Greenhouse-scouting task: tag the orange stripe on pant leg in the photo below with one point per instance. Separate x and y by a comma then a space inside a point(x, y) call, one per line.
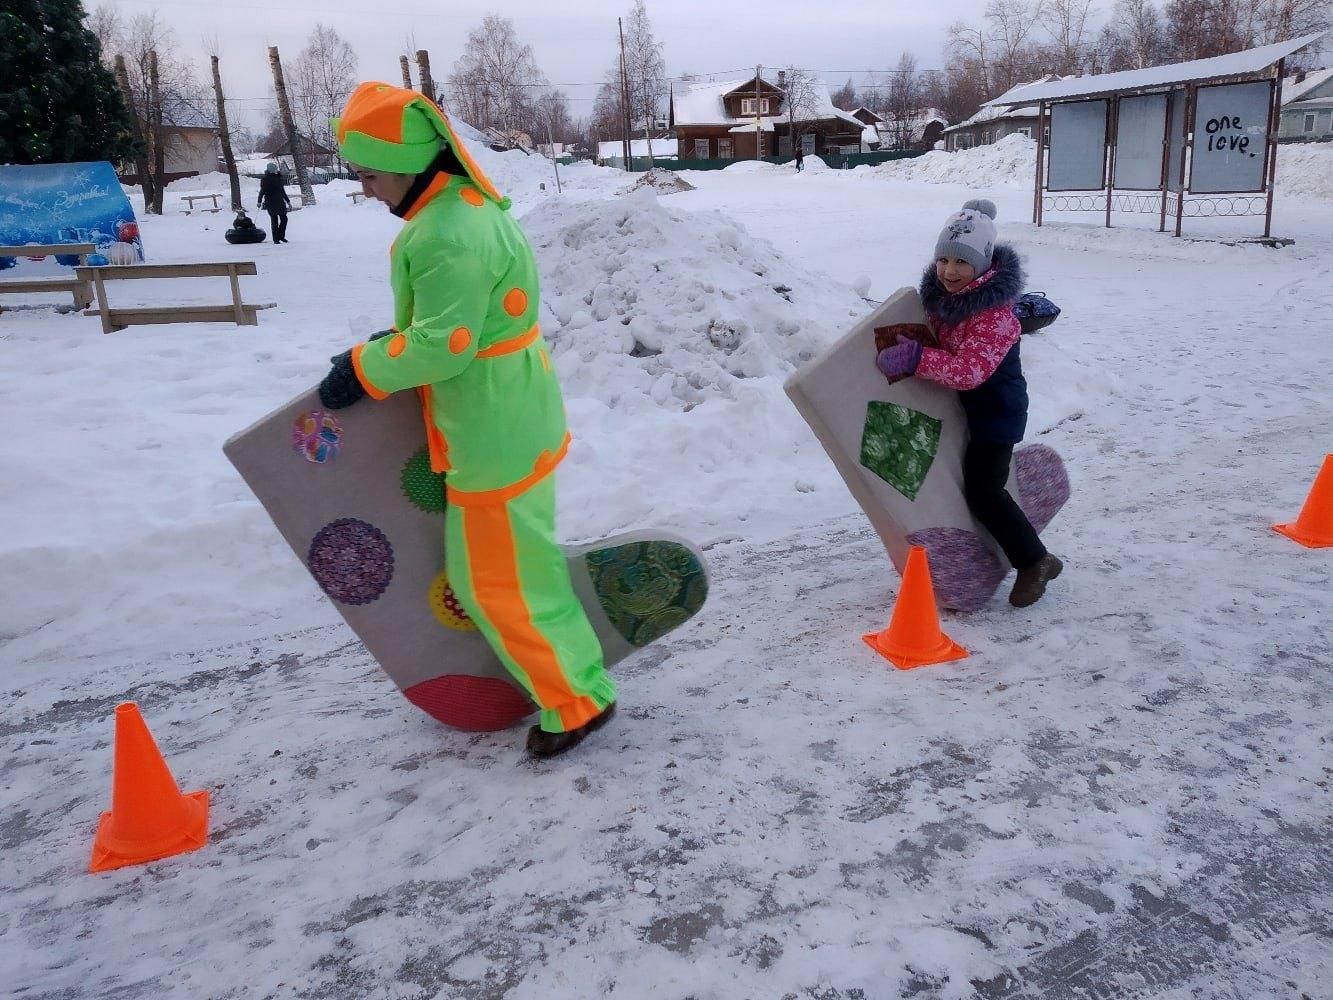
point(496, 586)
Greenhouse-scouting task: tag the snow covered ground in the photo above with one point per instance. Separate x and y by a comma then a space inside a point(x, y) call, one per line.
point(1122, 793)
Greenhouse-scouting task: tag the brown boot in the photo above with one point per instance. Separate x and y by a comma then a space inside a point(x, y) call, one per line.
point(1031, 582)
point(544, 744)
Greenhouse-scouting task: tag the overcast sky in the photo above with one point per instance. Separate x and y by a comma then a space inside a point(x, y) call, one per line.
point(574, 42)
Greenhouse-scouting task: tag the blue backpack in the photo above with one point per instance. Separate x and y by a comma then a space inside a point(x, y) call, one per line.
point(1035, 311)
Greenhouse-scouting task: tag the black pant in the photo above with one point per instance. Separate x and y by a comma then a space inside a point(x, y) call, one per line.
point(277, 220)
point(985, 472)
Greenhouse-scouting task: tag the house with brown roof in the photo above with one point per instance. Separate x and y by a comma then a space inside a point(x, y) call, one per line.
point(747, 119)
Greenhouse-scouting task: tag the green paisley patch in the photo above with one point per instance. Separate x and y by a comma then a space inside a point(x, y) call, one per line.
point(898, 445)
point(647, 588)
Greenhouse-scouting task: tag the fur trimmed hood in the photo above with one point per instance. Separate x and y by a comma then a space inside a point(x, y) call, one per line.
point(1000, 286)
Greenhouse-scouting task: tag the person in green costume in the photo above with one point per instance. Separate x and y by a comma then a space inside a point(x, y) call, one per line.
point(466, 338)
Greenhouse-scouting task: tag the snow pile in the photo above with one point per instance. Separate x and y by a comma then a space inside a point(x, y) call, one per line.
point(1010, 162)
point(1305, 170)
point(662, 182)
point(672, 306)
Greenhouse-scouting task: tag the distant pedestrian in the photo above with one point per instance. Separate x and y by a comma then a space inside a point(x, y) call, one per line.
point(800, 156)
point(273, 199)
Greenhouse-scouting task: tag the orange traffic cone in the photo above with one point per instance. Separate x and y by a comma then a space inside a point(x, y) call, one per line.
point(149, 817)
point(913, 638)
point(1314, 527)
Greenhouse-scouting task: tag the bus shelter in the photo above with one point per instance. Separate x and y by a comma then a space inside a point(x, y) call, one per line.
point(1192, 139)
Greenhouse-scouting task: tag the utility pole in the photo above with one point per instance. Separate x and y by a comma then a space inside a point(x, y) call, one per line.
point(550, 142)
point(423, 71)
point(225, 135)
point(155, 126)
point(758, 135)
point(140, 146)
point(624, 99)
point(407, 72)
point(289, 126)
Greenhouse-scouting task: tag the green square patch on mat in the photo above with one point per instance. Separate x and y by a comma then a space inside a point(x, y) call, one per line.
point(899, 444)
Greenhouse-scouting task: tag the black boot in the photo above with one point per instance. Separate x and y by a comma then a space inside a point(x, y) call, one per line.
point(1031, 582)
point(544, 744)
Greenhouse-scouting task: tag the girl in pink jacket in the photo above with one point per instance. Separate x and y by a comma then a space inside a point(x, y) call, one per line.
point(968, 294)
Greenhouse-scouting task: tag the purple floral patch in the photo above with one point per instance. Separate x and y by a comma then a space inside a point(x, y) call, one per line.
point(351, 560)
point(964, 570)
point(1043, 484)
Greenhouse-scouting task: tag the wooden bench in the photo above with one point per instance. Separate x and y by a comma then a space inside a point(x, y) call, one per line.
point(78, 285)
point(241, 313)
point(356, 196)
point(190, 199)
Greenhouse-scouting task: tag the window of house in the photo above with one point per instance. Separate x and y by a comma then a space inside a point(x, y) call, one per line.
point(747, 105)
point(763, 106)
point(725, 150)
point(808, 143)
point(1309, 121)
point(1024, 131)
point(701, 149)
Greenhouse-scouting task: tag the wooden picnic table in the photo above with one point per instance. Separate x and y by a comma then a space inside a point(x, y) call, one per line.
point(78, 286)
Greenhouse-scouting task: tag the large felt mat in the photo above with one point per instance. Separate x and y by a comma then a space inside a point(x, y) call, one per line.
point(900, 450)
point(352, 492)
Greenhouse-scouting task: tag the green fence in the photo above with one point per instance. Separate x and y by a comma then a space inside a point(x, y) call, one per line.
point(837, 161)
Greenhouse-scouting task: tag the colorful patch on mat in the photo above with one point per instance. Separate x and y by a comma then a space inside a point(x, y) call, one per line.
point(899, 444)
point(422, 486)
point(446, 608)
point(317, 436)
point(352, 560)
point(477, 704)
point(647, 588)
point(964, 570)
point(1043, 484)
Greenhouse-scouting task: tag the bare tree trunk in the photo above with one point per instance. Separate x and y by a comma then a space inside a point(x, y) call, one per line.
point(407, 72)
point(140, 147)
point(225, 134)
point(155, 126)
point(285, 109)
point(423, 70)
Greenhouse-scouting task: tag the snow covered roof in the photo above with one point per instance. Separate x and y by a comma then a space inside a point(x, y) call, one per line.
point(178, 112)
point(1293, 91)
point(1247, 63)
point(703, 104)
point(990, 113)
point(765, 125)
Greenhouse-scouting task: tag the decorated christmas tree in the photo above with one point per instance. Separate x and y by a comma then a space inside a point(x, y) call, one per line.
point(59, 103)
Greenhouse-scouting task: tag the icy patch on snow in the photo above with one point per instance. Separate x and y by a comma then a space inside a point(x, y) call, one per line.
point(751, 167)
point(672, 308)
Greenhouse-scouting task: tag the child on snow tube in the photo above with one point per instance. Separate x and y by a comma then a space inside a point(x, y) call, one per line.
point(971, 345)
point(243, 230)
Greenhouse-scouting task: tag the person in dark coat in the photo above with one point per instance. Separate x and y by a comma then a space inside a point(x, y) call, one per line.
point(969, 294)
point(273, 199)
point(800, 156)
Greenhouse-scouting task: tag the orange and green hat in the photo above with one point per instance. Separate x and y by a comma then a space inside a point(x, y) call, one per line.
point(399, 131)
